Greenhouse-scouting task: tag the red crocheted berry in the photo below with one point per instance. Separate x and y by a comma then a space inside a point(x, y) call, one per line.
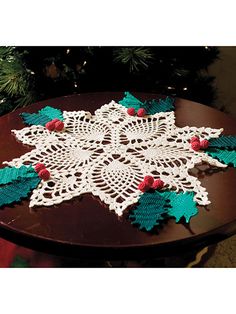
point(141, 112)
point(131, 111)
point(158, 184)
point(148, 180)
point(59, 126)
point(143, 186)
point(204, 144)
point(194, 139)
point(44, 174)
point(39, 167)
point(55, 120)
point(50, 126)
point(195, 146)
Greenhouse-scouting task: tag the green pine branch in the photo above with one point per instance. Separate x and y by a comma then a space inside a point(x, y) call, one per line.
point(136, 58)
point(15, 79)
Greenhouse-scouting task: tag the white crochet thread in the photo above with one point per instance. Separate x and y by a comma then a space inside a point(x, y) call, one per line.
point(109, 153)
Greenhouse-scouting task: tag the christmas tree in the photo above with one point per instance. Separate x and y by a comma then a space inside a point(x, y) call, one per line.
point(30, 74)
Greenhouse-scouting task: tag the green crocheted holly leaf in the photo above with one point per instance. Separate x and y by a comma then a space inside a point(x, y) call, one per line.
point(149, 211)
point(10, 174)
point(151, 106)
point(130, 101)
point(43, 116)
point(161, 105)
point(223, 142)
point(182, 205)
point(35, 118)
point(228, 157)
point(15, 191)
point(154, 206)
point(52, 113)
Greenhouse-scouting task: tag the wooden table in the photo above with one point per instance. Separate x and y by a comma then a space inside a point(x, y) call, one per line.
point(84, 227)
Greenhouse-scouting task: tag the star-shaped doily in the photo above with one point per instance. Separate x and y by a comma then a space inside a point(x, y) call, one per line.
point(109, 153)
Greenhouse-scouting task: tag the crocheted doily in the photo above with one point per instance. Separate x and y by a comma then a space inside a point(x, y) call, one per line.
point(109, 153)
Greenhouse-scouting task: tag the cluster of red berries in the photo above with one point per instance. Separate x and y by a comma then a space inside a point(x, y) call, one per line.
point(42, 171)
point(196, 144)
point(55, 125)
point(149, 183)
point(140, 113)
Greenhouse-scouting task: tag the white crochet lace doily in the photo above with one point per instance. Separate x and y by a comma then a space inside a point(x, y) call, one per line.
point(109, 153)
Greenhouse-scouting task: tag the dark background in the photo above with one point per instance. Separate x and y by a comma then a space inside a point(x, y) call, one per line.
point(30, 74)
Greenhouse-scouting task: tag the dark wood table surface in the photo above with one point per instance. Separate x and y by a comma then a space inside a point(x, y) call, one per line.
point(85, 227)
